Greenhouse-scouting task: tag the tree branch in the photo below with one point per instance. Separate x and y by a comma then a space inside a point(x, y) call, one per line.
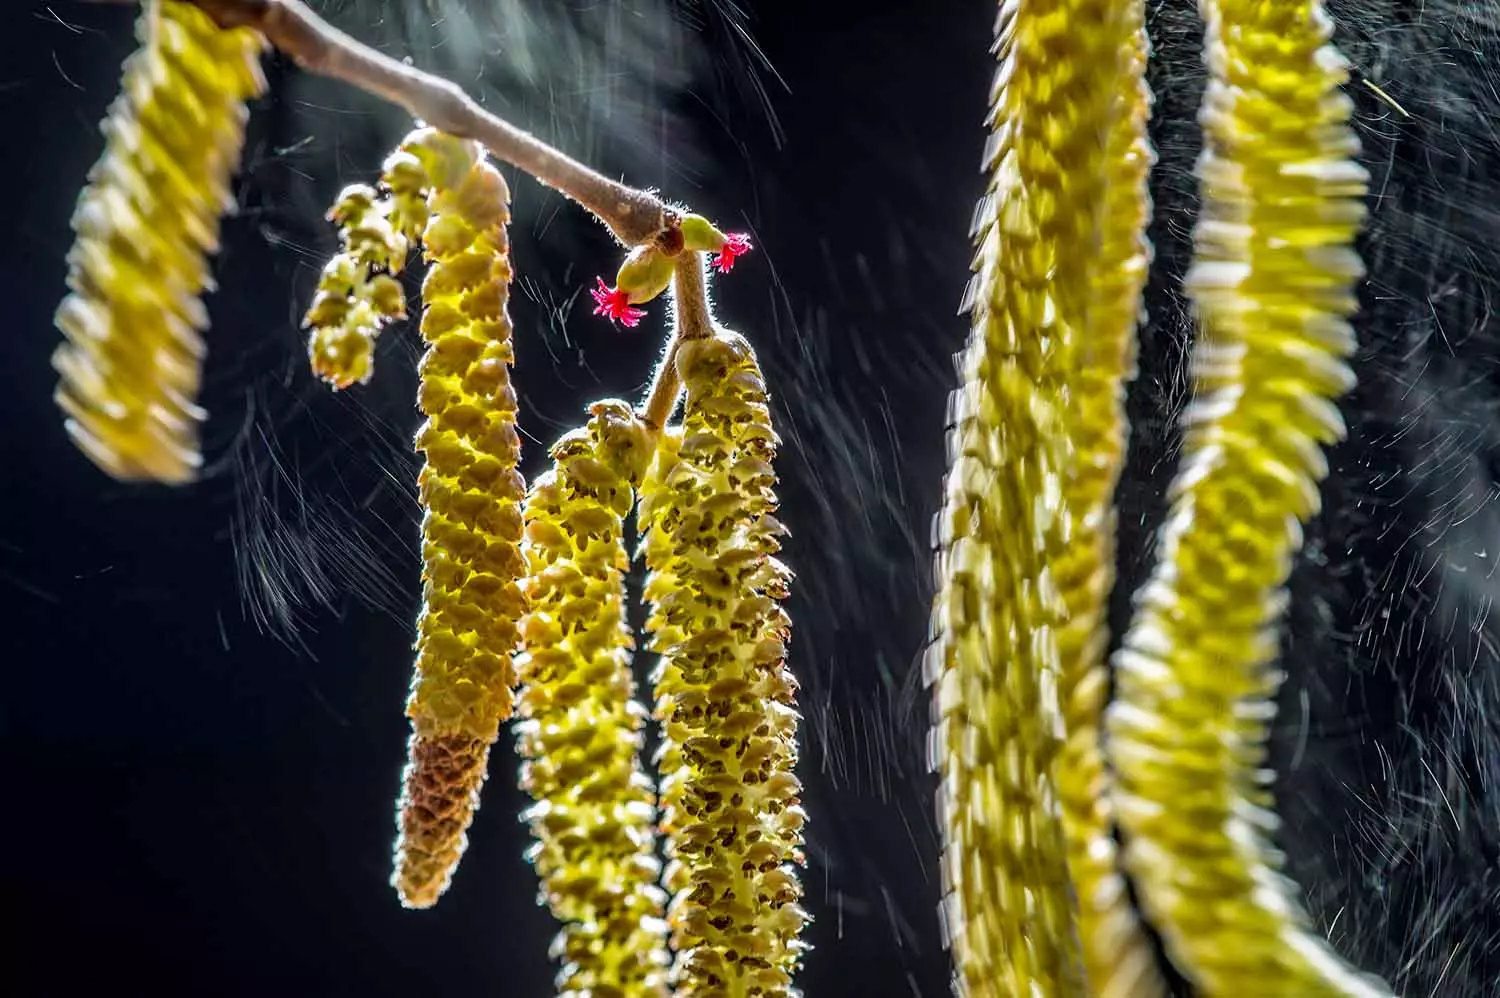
point(635, 217)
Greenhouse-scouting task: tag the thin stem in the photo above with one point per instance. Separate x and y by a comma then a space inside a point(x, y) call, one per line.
point(666, 386)
point(693, 319)
point(693, 323)
point(635, 217)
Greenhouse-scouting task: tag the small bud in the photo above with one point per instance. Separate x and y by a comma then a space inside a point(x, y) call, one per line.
point(699, 235)
point(646, 273)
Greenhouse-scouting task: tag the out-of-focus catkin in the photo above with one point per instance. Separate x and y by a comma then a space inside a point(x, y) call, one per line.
point(994, 661)
point(471, 493)
point(146, 224)
point(580, 737)
point(1273, 283)
point(1119, 959)
point(724, 696)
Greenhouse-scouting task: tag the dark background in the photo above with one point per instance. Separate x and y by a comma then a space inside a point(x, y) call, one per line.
point(201, 713)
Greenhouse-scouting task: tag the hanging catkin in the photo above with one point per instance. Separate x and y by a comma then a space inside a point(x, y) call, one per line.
point(724, 696)
point(581, 730)
point(146, 224)
point(994, 662)
point(1119, 959)
point(1273, 282)
point(471, 493)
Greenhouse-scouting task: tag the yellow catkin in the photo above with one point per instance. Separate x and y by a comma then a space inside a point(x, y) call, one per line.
point(1119, 959)
point(1273, 283)
point(146, 224)
point(724, 696)
point(581, 734)
point(1008, 911)
point(471, 493)
point(358, 293)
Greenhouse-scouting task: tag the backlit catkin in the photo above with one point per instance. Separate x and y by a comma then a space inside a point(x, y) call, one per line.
point(146, 224)
point(358, 293)
point(994, 662)
point(1119, 960)
point(724, 697)
point(580, 737)
point(471, 530)
point(1273, 283)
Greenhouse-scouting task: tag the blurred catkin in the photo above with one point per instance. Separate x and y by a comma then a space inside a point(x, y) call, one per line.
point(146, 224)
point(471, 493)
point(1273, 282)
point(724, 697)
point(581, 734)
point(994, 662)
point(1119, 959)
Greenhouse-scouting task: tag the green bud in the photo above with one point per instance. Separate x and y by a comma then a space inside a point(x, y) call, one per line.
point(699, 235)
point(645, 274)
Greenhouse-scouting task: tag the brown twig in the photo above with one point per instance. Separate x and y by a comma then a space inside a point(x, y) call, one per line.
point(666, 386)
point(693, 319)
point(693, 323)
point(635, 217)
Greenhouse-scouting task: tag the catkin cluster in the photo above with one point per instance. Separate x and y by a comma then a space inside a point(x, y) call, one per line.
point(471, 494)
point(724, 697)
point(1273, 283)
point(995, 663)
point(146, 224)
point(581, 728)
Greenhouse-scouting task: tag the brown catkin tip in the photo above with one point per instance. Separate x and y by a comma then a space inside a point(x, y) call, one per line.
point(440, 792)
point(581, 733)
point(724, 696)
point(146, 224)
point(471, 493)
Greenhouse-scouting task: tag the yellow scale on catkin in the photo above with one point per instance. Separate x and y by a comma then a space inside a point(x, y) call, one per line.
point(724, 696)
point(1119, 959)
point(471, 494)
point(1009, 912)
point(1273, 283)
point(581, 731)
point(146, 224)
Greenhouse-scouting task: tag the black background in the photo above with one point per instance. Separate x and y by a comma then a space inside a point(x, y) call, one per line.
point(201, 720)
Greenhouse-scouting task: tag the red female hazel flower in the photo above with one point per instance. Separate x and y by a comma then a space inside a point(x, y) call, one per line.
point(615, 304)
point(736, 245)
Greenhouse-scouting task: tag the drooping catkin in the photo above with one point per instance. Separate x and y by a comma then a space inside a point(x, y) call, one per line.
point(581, 734)
point(1119, 959)
point(724, 696)
point(146, 224)
point(358, 293)
point(471, 493)
point(1273, 283)
point(994, 662)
